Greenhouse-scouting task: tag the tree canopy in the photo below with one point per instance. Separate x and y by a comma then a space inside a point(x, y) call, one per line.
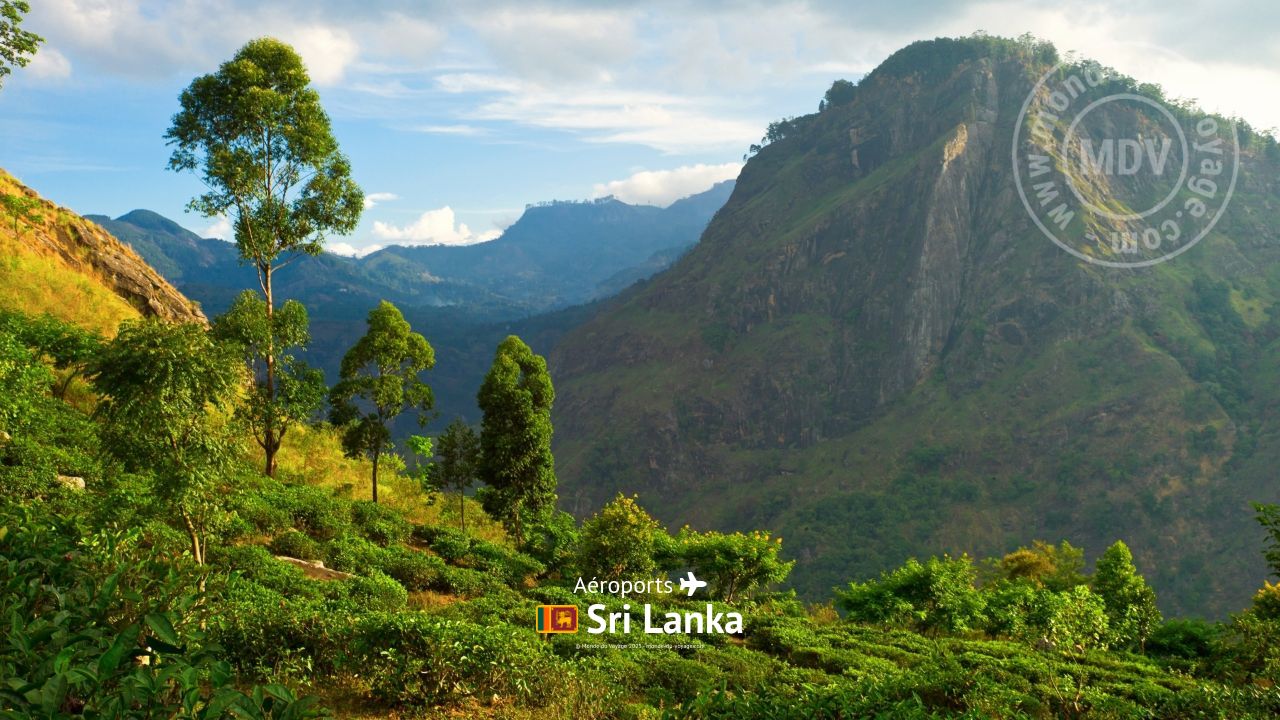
point(16, 45)
point(379, 380)
point(515, 435)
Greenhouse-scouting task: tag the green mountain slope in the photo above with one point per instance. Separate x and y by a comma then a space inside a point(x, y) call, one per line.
point(874, 351)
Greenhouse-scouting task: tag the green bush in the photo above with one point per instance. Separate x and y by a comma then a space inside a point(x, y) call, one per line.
point(464, 581)
point(448, 543)
point(296, 545)
point(417, 660)
point(415, 570)
point(512, 566)
point(100, 626)
point(354, 554)
point(264, 513)
point(619, 541)
point(256, 563)
point(379, 523)
point(377, 592)
point(1184, 639)
point(262, 632)
point(315, 511)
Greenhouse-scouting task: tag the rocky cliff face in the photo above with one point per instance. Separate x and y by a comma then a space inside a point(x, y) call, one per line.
point(874, 351)
point(85, 248)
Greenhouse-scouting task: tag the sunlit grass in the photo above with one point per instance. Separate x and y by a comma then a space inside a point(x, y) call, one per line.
point(36, 282)
point(313, 455)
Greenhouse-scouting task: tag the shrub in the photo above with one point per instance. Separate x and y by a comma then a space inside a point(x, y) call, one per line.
point(735, 563)
point(1184, 639)
point(354, 554)
point(619, 541)
point(450, 544)
point(379, 523)
point(508, 564)
point(414, 570)
point(464, 581)
point(265, 514)
point(377, 592)
point(296, 545)
point(935, 595)
point(262, 632)
point(315, 511)
point(255, 563)
point(414, 659)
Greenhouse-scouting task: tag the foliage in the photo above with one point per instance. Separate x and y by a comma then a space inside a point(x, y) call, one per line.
point(377, 382)
point(296, 545)
point(458, 449)
point(263, 146)
point(16, 45)
point(1130, 602)
point(735, 564)
point(20, 208)
point(160, 384)
point(1057, 568)
point(554, 541)
point(515, 436)
point(70, 347)
point(22, 381)
point(619, 542)
point(1269, 518)
point(383, 526)
point(297, 391)
point(417, 660)
point(937, 595)
point(841, 92)
point(100, 627)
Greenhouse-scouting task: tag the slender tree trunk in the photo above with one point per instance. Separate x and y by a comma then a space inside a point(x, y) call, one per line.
point(270, 443)
point(376, 453)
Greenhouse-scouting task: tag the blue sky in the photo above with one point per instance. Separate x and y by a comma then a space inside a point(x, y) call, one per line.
point(455, 115)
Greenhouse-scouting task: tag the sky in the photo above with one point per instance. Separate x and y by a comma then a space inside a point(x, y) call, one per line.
point(455, 115)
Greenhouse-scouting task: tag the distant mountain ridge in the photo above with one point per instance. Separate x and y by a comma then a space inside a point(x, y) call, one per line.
point(531, 281)
point(555, 256)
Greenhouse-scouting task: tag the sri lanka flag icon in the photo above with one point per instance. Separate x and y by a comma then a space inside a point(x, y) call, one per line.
point(557, 619)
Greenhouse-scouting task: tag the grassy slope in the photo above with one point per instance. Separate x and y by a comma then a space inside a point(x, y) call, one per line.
point(38, 283)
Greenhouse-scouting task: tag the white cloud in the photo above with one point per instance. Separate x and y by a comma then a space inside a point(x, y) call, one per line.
point(372, 199)
point(663, 187)
point(49, 64)
point(464, 130)
point(434, 227)
point(326, 51)
point(559, 44)
point(349, 250)
point(221, 229)
point(667, 122)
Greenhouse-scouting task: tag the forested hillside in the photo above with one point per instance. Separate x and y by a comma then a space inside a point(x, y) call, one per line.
point(875, 352)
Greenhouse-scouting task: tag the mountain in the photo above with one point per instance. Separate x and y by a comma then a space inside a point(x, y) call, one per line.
point(465, 300)
point(604, 241)
point(210, 271)
point(59, 263)
point(875, 351)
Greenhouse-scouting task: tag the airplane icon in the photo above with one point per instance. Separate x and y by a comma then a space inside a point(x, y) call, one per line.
point(692, 583)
